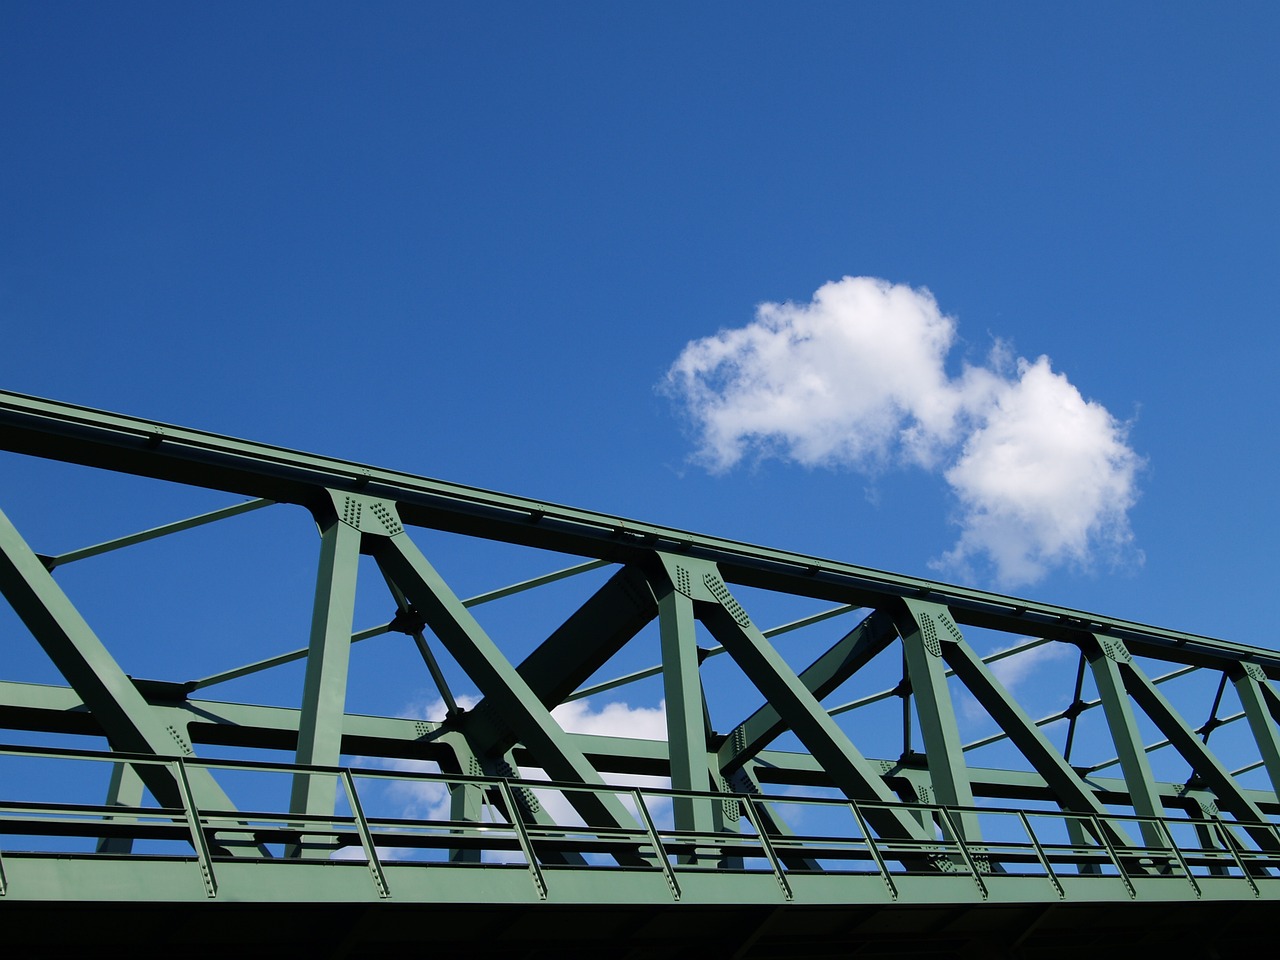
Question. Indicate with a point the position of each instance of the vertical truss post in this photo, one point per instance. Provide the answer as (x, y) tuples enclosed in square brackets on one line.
[(1253, 689), (325, 687), (686, 727), (726, 812), (1105, 656), (926, 628), (904, 694), (1210, 837)]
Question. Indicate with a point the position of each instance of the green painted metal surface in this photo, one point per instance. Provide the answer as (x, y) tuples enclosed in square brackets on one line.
[(779, 799)]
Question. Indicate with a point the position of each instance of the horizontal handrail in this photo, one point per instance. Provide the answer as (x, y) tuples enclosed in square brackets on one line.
[(1043, 842)]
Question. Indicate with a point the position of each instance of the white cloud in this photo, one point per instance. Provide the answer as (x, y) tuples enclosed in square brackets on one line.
[(430, 800), (1015, 670), (613, 720), (857, 378), (847, 379), (1046, 478), (437, 710)]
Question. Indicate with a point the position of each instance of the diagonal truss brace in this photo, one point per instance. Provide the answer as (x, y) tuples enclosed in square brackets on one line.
[(729, 623), (129, 722), (1072, 792), (573, 652), (846, 657), (1198, 756), (498, 680)]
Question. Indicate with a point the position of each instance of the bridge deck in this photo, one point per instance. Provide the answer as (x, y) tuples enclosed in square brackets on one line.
[(1104, 818)]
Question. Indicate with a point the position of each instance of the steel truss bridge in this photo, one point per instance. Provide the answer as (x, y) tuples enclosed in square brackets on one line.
[(786, 828)]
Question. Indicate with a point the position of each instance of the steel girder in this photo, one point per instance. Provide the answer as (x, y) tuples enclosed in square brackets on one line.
[(778, 804)]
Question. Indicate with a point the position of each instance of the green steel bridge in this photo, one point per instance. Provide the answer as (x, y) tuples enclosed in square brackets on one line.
[(148, 813)]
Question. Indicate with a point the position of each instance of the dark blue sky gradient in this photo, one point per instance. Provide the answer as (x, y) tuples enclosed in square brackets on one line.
[(468, 240)]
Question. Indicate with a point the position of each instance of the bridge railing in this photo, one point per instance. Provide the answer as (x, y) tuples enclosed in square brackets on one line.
[(391, 817)]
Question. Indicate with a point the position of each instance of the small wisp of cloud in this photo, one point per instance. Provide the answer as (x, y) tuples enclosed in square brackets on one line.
[(1014, 671), (430, 799), (614, 719), (856, 378)]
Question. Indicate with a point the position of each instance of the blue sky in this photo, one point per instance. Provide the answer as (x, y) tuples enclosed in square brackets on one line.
[(470, 241)]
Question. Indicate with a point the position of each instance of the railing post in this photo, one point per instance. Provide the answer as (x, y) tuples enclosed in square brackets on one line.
[(758, 822), (366, 836), (658, 849), (1229, 841), (875, 851), (1182, 862), (964, 850), (1044, 860), (197, 831), (513, 813), (1111, 852)]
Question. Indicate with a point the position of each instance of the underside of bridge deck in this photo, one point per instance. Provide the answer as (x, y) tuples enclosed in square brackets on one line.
[(644, 933)]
